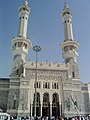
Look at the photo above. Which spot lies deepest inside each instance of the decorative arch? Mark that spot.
(55, 98)
(46, 104)
(46, 99)
(55, 104)
(37, 99)
(37, 104)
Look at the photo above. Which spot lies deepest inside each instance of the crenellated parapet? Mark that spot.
(46, 65)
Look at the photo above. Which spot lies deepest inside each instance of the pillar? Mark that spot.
(50, 109)
(41, 108)
(31, 108)
(60, 108)
(41, 99)
(50, 105)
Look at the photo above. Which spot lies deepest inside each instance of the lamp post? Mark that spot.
(36, 48)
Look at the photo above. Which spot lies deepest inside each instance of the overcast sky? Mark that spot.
(45, 28)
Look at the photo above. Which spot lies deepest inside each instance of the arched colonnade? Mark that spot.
(49, 105)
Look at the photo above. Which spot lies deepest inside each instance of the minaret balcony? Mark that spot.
(70, 53)
(20, 50)
(21, 39)
(70, 42)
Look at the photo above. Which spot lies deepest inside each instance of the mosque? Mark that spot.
(44, 88)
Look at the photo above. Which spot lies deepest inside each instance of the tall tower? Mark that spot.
(21, 44)
(70, 54)
(69, 45)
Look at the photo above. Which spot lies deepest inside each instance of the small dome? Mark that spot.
(25, 2)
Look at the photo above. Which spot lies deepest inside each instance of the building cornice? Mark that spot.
(46, 66)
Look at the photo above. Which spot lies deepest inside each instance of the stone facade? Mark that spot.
(19, 94)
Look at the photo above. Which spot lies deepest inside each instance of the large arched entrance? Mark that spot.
(37, 104)
(46, 105)
(55, 105)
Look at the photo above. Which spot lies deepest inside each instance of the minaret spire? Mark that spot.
(24, 12)
(65, 4)
(69, 46)
(25, 2)
(21, 44)
(67, 21)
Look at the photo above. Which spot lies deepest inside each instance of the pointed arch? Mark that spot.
(37, 104)
(37, 99)
(55, 104)
(46, 104)
(55, 99)
(46, 99)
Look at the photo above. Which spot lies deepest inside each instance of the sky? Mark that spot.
(45, 28)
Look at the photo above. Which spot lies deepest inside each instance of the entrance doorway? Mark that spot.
(46, 105)
(55, 105)
(45, 111)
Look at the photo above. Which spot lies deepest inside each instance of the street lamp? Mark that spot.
(36, 48)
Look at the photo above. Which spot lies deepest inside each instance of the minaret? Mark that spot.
(69, 45)
(21, 44)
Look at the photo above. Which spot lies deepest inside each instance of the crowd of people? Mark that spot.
(49, 118)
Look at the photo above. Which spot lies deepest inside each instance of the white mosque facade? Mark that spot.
(59, 91)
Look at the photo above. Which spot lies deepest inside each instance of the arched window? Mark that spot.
(46, 85)
(54, 85)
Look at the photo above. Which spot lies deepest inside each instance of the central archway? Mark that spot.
(46, 105)
(55, 105)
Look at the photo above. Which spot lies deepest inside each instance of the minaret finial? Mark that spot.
(65, 4)
(25, 2)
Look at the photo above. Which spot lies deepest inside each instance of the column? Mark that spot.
(31, 108)
(41, 108)
(41, 85)
(50, 109)
(50, 105)
(41, 99)
(50, 85)
(60, 108)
